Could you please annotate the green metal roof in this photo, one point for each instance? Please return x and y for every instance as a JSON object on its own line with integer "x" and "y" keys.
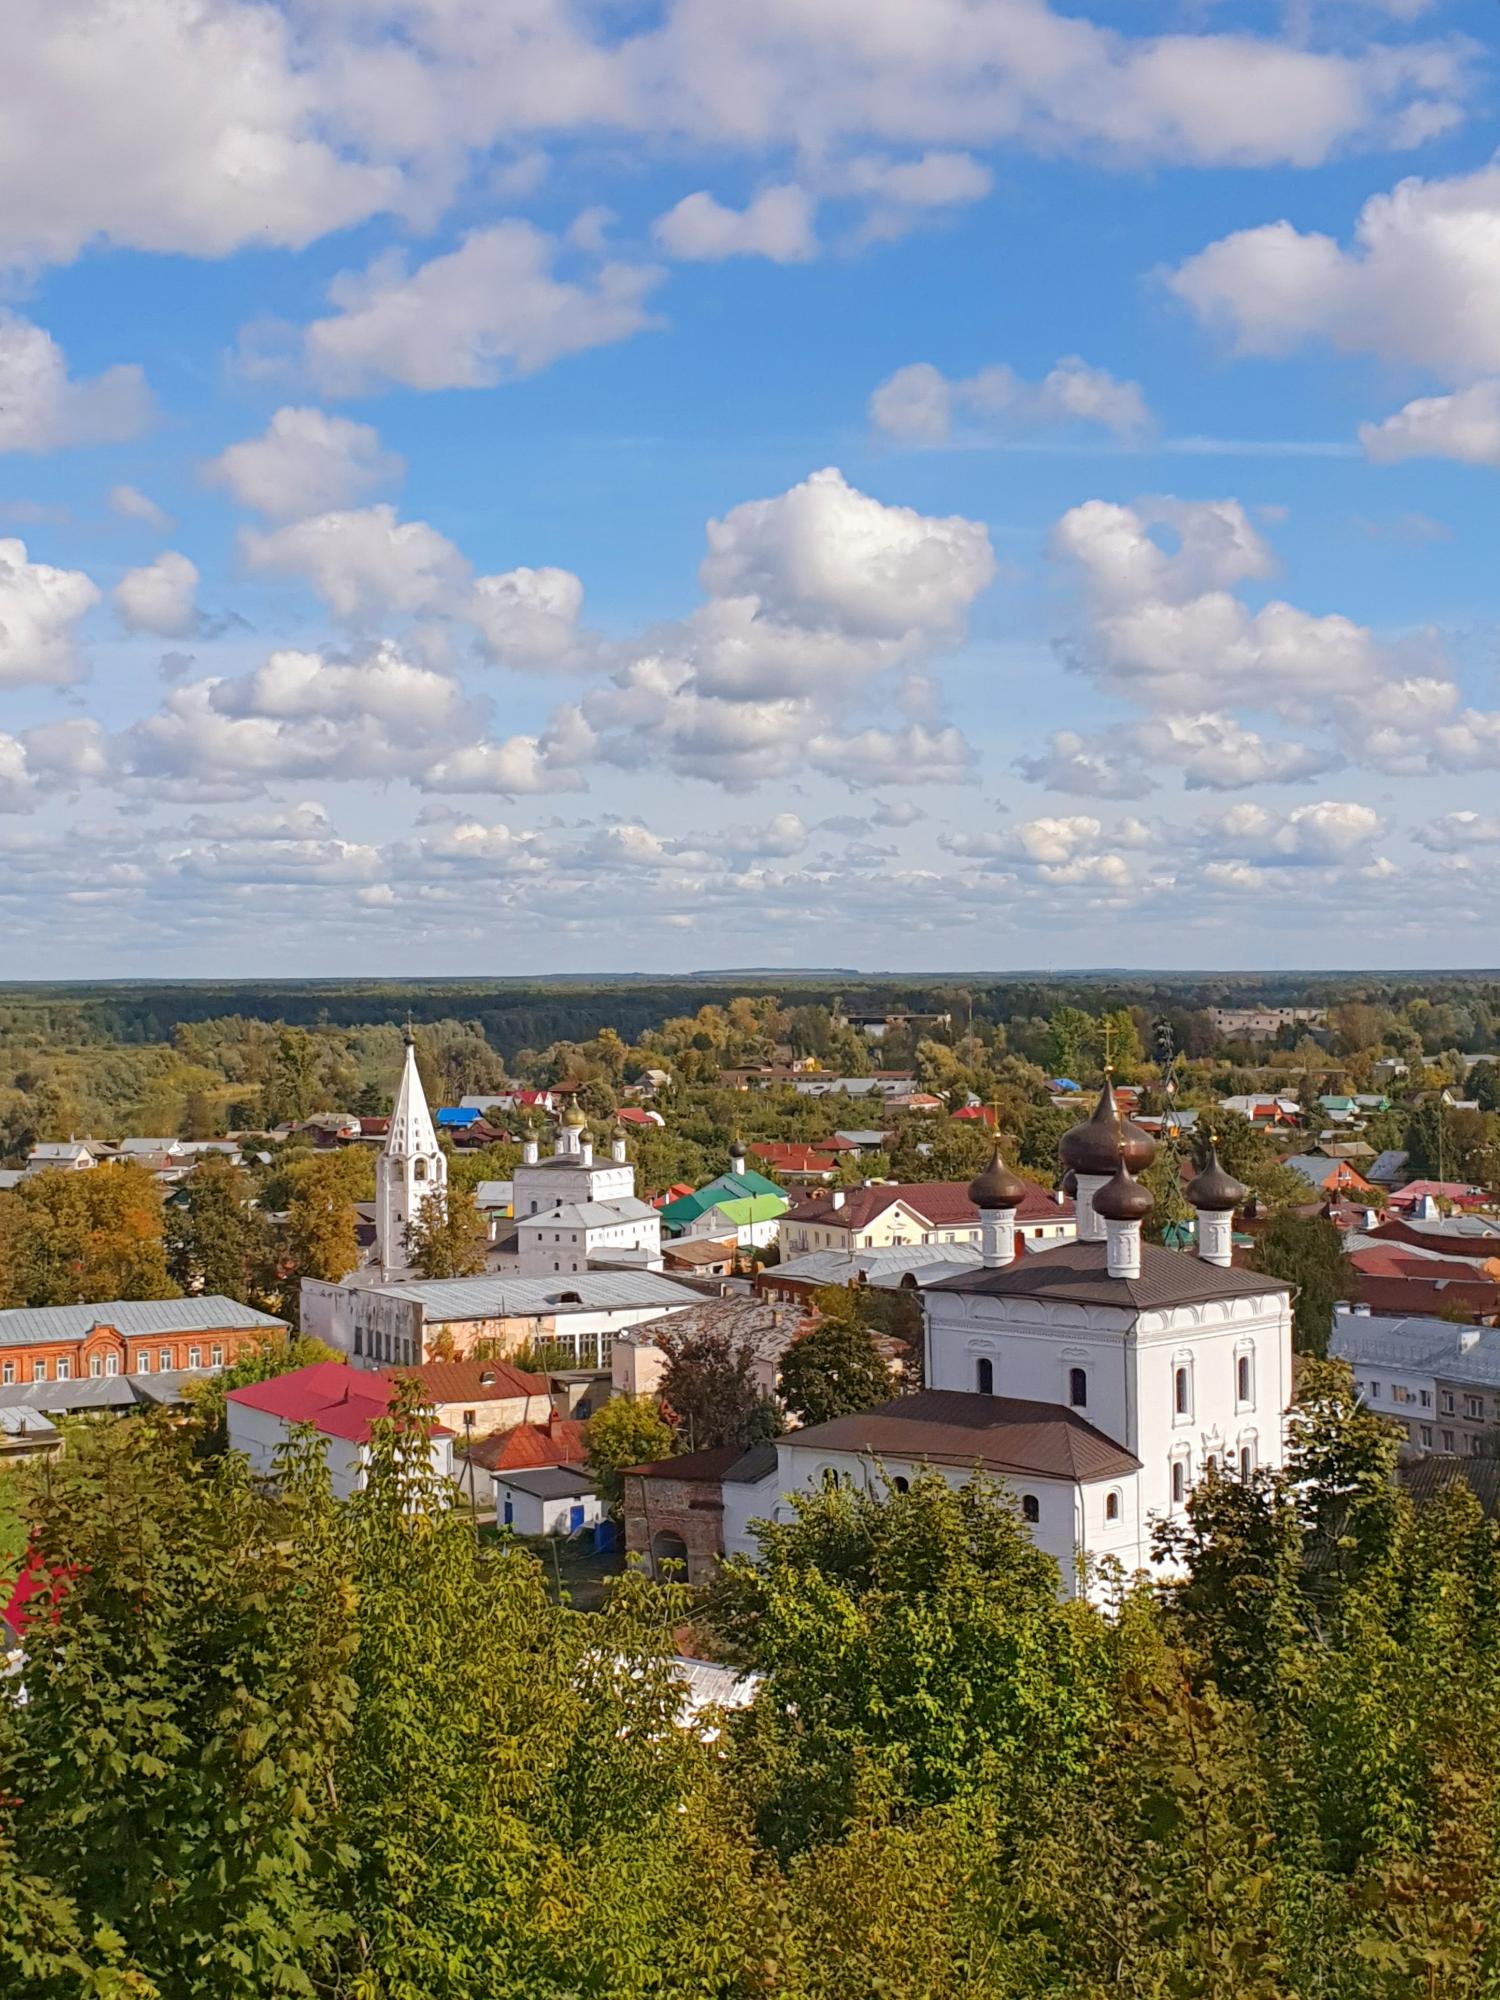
{"x": 721, "y": 1193}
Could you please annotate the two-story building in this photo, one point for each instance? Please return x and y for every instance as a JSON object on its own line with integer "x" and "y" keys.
{"x": 889, "y": 1215}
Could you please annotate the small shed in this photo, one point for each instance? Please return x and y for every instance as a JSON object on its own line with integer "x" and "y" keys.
{"x": 546, "y": 1500}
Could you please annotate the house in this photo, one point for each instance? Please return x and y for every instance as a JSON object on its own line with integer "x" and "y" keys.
{"x": 128, "y": 1338}
{"x": 26, "y": 1433}
{"x": 796, "y": 1162}
{"x": 889, "y": 1214}
{"x": 61, "y": 1156}
{"x": 1475, "y": 1238}
{"x": 700, "y": 1257}
{"x": 696, "y": 1508}
{"x": 546, "y": 1500}
{"x": 766, "y": 1329}
{"x": 1438, "y": 1381}
{"x": 1388, "y": 1167}
{"x": 865, "y": 1139}
{"x": 638, "y": 1119}
{"x": 457, "y": 1117}
{"x": 1264, "y": 1109}
{"x": 495, "y": 1201}
{"x": 1259, "y": 1024}
{"x": 428, "y": 1319}
{"x": 741, "y": 1207}
{"x": 1327, "y": 1176}
{"x": 1409, "y": 1297}
{"x": 1422, "y": 1197}
{"x": 1097, "y": 1376}
{"x": 908, "y": 1267}
{"x": 341, "y": 1404}
{"x": 558, "y": 1442}
{"x": 473, "y": 1398}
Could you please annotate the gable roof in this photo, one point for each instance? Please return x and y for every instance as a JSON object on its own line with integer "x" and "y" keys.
{"x": 1079, "y": 1272}
{"x": 739, "y": 1464}
{"x": 1003, "y": 1434}
{"x": 940, "y": 1204}
{"x": 560, "y": 1441}
{"x": 335, "y": 1399}
{"x": 209, "y": 1313}
{"x": 471, "y": 1381}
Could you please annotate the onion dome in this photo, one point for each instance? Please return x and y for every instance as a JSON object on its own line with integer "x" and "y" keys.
{"x": 1094, "y": 1147}
{"x": 1123, "y": 1199}
{"x": 1069, "y": 1184}
{"x": 997, "y": 1186}
{"x": 1215, "y": 1190}
{"x": 1137, "y": 1147}
{"x": 573, "y": 1118}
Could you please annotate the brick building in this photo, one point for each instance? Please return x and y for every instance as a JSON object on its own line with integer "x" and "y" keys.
{"x": 695, "y": 1508}
{"x": 127, "y": 1337}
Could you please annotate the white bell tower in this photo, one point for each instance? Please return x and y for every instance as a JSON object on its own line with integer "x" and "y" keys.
{"x": 409, "y": 1168}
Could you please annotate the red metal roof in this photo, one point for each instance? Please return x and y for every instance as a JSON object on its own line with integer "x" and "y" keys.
{"x": 471, "y": 1381}
{"x": 337, "y": 1400}
{"x": 561, "y": 1441}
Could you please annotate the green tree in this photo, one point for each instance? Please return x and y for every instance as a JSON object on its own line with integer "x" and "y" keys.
{"x": 1307, "y": 1251}
{"x": 1070, "y": 1042}
{"x": 447, "y": 1238}
{"x": 627, "y": 1430}
{"x": 320, "y": 1221}
{"x": 835, "y": 1367}
{"x": 710, "y": 1390}
{"x": 294, "y": 1087}
{"x": 217, "y": 1240}
{"x": 1042, "y": 1133}
{"x": 206, "y": 1396}
{"x": 100, "y": 1234}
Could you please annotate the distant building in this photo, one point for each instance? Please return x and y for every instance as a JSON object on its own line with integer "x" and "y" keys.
{"x": 1439, "y": 1381}
{"x": 1260, "y": 1024}
{"x": 887, "y": 1215}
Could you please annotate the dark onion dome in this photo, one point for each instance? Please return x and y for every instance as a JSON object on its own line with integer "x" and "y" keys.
{"x": 1137, "y": 1147}
{"x": 1069, "y": 1184}
{"x": 1094, "y": 1147}
{"x": 997, "y": 1186}
{"x": 1122, "y": 1199}
{"x": 1215, "y": 1190}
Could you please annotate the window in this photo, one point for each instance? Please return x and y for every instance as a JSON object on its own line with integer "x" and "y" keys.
{"x": 1447, "y": 1440}
{"x": 1246, "y": 1463}
{"x": 1474, "y": 1445}
{"x": 64, "y": 1370}
{"x": 1426, "y": 1399}
{"x": 1375, "y": 1389}
{"x": 1427, "y": 1436}
{"x": 1078, "y": 1388}
{"x": 829, "y": 1478}
{"x": 1244, "y": 1385}
{"x": 1179, "y": 1482}
{"x": 1031, "y": 1508}
{"x": 468, "y": 1416}
{"x": 1400, "y": 1393}
{"x": 900, "y": 1484}
{"x": 1111, "y": 1506}
{"x": 38, "y": 1371}
{"x": 1182, "y": 1394}
{"x": 1447, "y": 1404}
{"x": 1474, "y": 1407}
{"x": 8, "y": 1372}
{"x": 985, "y": 1375}
{"x": 216, "y": 1355}
{"x": 164, "y": 1360}
{"x": 112, "y": 1364}
{"x": 359, "y": 1340}
{"x": 419, "y": 1170}
{"x": 143, "y": 1362}
{"x": 195, "y": 1357}
{"x": 96, "y": 1364}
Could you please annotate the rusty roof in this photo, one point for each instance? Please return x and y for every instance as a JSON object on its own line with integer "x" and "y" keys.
{"x": 1003, "y": 1434}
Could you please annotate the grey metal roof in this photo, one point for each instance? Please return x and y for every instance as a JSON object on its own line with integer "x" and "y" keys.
{"x": 1387, "y": 1165}
{"x": 1420, "y": 1346}
{"x": 1079, "y": 1272}
{"x": 21, "y": 1325}
{"x": 102, "y": 1392}
{"x": 23, "y": 1422}
{"x": 876, "y": 1267}
{"x": 547, "y": 1482}
{"x": 503, "y": 1297}
{"x": 589, "y": 1214}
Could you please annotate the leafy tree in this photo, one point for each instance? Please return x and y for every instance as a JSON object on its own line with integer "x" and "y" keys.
{"x": 1307, "y": 1251}
{"x": 942, "y": 1149}
{"x": 1070, "y": 1041}
{"x": 627, "y": 1430}
{"x": 1484, "y": 1085}
{"x": 217, "y": 1240}
{"x": 835, "y": 1367}
{"x": 447, "y": 1239}
{"x": 87, "y": 1235}
{"x": 294, "y": 1087}
{"x": 710, "y": 1389}
{"x": 1041, "y": 1135}
{"x": 320, "y": 1221}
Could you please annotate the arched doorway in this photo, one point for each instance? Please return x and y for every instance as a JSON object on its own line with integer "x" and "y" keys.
{"x": 668, "y": 1548}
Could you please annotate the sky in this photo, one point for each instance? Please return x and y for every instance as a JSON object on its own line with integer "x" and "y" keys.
{"x": 507, "y": 486}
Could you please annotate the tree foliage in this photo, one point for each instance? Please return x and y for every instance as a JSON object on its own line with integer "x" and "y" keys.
{"x": 628, "y": 1430}
{"x": 447, "y": 1238}
{"x": 67, "y": 1237}
{"x": 835, "y": 1366}
{"x": 1307, "y": 1251}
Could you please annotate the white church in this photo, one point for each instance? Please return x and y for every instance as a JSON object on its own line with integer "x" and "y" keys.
{"x": 1097, "y": 1378}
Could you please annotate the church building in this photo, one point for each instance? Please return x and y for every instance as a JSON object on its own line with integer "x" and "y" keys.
{"x": 409, "y": 1168}
{"x": 1097, "y": 1378}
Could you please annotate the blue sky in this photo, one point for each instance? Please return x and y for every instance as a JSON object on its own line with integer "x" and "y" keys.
{"x": 513, "y": 487}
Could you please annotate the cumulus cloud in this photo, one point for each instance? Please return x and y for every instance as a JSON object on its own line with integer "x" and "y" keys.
{"x": 40, "y": 612}
{"x": 915, "y": 755}
{"x": 493, "y": 308}
{"x": 18, "y": 792}
{"x": 72, "y": 751}
{"x": 777, "y": 224}
{"x": 133, "y": 505}
{"x": 1213, "y": 753}
{"x": 517, "y": 768}
{"x": 363, "y": 562}
{"x": 161, "y": 597}
{"x": 1456, "y": 832}
{"x": 1464, "y": 426}
{"x": 918, "y": 404}
{"x": 1415, "y": 285}
{"x": 304, "y": 462}
{"x": 1317, "y": 834}
{"x": 528, "y": 617}
{"x": 42, "y": 408}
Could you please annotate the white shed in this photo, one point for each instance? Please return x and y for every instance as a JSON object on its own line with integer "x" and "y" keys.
{"x": 546, "y": 1500}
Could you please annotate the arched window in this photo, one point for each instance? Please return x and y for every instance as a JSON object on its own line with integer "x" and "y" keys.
{"x": 1247, "y": 1462}
{"x": 985, "y": 1374}
{"x": 830, "y": 1479}
{"x": 1244, "y": 1379}
{"x": 1111, "y": 1506}
{"x": 1031, "y": 1508}
{"x": 419, "y": 1170}
{"x": 1182, "y": 1394}
{"x": 901, "y": 1485}
{"x": 1179, "y": 1482}
{"x": 1078, "y": 1388}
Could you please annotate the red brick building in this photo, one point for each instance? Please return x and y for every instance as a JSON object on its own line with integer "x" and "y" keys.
{"x": 127, "y": 1337}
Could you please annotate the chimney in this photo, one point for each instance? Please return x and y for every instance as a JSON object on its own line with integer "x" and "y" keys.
{"x": 1468, "y": 1337}
{"x": 838, "y": 1197}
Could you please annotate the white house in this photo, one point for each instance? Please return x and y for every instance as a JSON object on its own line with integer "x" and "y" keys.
{"x": 1097, "y": 1377}
{"x": 546, "y": 1500}
{"x": 339, "y": 1403}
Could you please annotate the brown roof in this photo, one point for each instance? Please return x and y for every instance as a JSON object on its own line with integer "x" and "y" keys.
{"x": 472, "y": 1381}
{"x": 697, "y": 1252}
{"x": 941, "y": 1204}
{"x": 1078, "y": 1271}
{"x": 754, "y": 1322}
{"x": 1001, "y": 1433}
{"x": 562, "y": 1441}
{"x": 725, "y": 1461}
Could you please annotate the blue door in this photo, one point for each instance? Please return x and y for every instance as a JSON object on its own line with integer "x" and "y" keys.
{"x": 509, "y": 1513}
{"x": 575, "y": 1517}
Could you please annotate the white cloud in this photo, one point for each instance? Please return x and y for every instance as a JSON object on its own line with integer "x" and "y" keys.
{"x": 74, "y": 750}
{"x": 133, "y": 505}
{"x": 824, "y": 554}
{"x": 1213, "y": 753}
{"x": 42, "y": 409}
{"x": 160, "y": 597}
{"x": 493, "y": 308}
{"x": 40, "y": 611}
{"x": 517, "y": 768}
{"x": 1415, "y": 286}
{"x": 305, "y": 462}
{"x": 777, "y": 224}
{"x": 363, "y": 562}
{"x": 1310, "y": 835}
{"x": 915, "y": 755}
{"x": 307, "y": 820}
{"x": 182, "y": 125}
{"x": 1456, "y": 832}
{"x": 528, "y": 617}
{"x": 18, "y": 791}
{"x": 1463, "y": 426}
{"x": 918, "y": 404}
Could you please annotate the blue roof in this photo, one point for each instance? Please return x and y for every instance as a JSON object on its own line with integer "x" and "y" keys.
{"x": 1064, "y": 1083}
{"x": 459, "y": 1114}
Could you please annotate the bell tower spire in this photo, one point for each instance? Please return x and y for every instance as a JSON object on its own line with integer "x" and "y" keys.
{"x": 410, "y": 1167}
